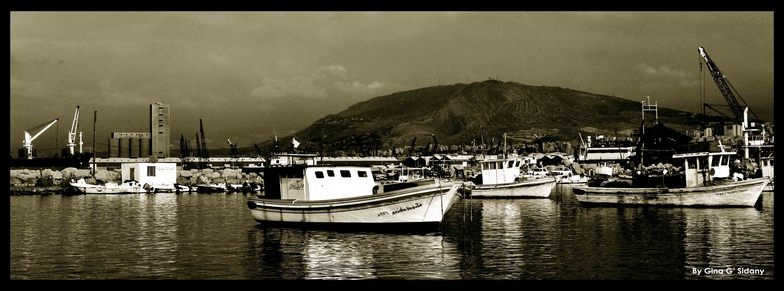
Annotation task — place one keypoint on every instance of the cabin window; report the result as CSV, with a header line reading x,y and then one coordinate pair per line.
x,y
150,171
511,164
702,163
517,163
693,163
716,161
492,166
500,165
345,173
362,174
319,174
331,173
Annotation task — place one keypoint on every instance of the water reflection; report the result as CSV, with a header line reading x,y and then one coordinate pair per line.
x,y
328,254
198,236
728,238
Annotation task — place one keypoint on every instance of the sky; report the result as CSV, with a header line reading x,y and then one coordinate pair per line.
x,y
250,75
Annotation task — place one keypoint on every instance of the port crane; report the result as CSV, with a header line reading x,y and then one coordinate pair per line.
x,y
412,150
27,143
726,88
72,134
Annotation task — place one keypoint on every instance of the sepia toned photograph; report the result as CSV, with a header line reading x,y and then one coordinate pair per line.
x,y
391,145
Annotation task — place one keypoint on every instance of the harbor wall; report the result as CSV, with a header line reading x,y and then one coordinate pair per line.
x,y
25,180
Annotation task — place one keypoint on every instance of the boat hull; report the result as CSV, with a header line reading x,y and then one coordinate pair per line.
x,y
98,189
424,204
736,194
538,188
574,180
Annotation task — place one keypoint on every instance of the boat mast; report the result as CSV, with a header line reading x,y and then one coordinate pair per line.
x,y
95,118
646,106
321,144
504,145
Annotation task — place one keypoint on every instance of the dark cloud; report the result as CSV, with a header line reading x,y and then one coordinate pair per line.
x,y
248,74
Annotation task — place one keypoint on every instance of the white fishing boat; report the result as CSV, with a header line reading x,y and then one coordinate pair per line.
x,y
501,178
128,187
138,178
701,187
323,194
574,179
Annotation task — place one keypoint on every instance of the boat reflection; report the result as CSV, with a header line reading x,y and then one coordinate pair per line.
x,y
327,254
729,238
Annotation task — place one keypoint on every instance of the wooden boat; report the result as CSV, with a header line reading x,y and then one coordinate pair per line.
x,y
740,193
700,187
501,178
328,195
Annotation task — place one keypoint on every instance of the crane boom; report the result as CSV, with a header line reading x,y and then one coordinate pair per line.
x,y
724,86
72,133
27,143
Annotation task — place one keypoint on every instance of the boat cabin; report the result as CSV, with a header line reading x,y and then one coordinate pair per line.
x,y
411,174
500,171
604,168
156,175
766,165
303,182
703,167
285,159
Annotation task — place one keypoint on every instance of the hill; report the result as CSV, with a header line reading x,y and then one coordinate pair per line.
x,y
460,113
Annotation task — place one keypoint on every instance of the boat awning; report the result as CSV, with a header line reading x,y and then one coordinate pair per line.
x,y
702,154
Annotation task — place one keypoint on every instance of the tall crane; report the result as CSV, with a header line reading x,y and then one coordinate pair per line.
x,y
27,143
72,134
727,90
433,150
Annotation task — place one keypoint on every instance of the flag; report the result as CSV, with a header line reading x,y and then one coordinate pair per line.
x,y
294,142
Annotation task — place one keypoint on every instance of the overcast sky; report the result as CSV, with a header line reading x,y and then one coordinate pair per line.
x,y
251,74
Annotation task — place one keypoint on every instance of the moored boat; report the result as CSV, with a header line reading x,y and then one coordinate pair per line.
x,y
699,187
740,193
574,179
137,177
501,178
127,187
327,195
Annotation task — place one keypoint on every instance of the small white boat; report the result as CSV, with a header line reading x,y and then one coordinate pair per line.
x,y
501,178
346,195
138,177
128,187
574,179
536,188
700,189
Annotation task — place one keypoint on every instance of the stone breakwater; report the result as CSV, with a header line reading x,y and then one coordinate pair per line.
x,y
46,180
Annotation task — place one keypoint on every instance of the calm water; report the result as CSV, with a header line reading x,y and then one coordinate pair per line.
x,y
202,236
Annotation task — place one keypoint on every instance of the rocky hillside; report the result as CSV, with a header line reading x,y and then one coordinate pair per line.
x,y
462,112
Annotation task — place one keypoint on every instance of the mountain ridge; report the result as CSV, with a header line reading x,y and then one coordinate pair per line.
x,y
462,113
